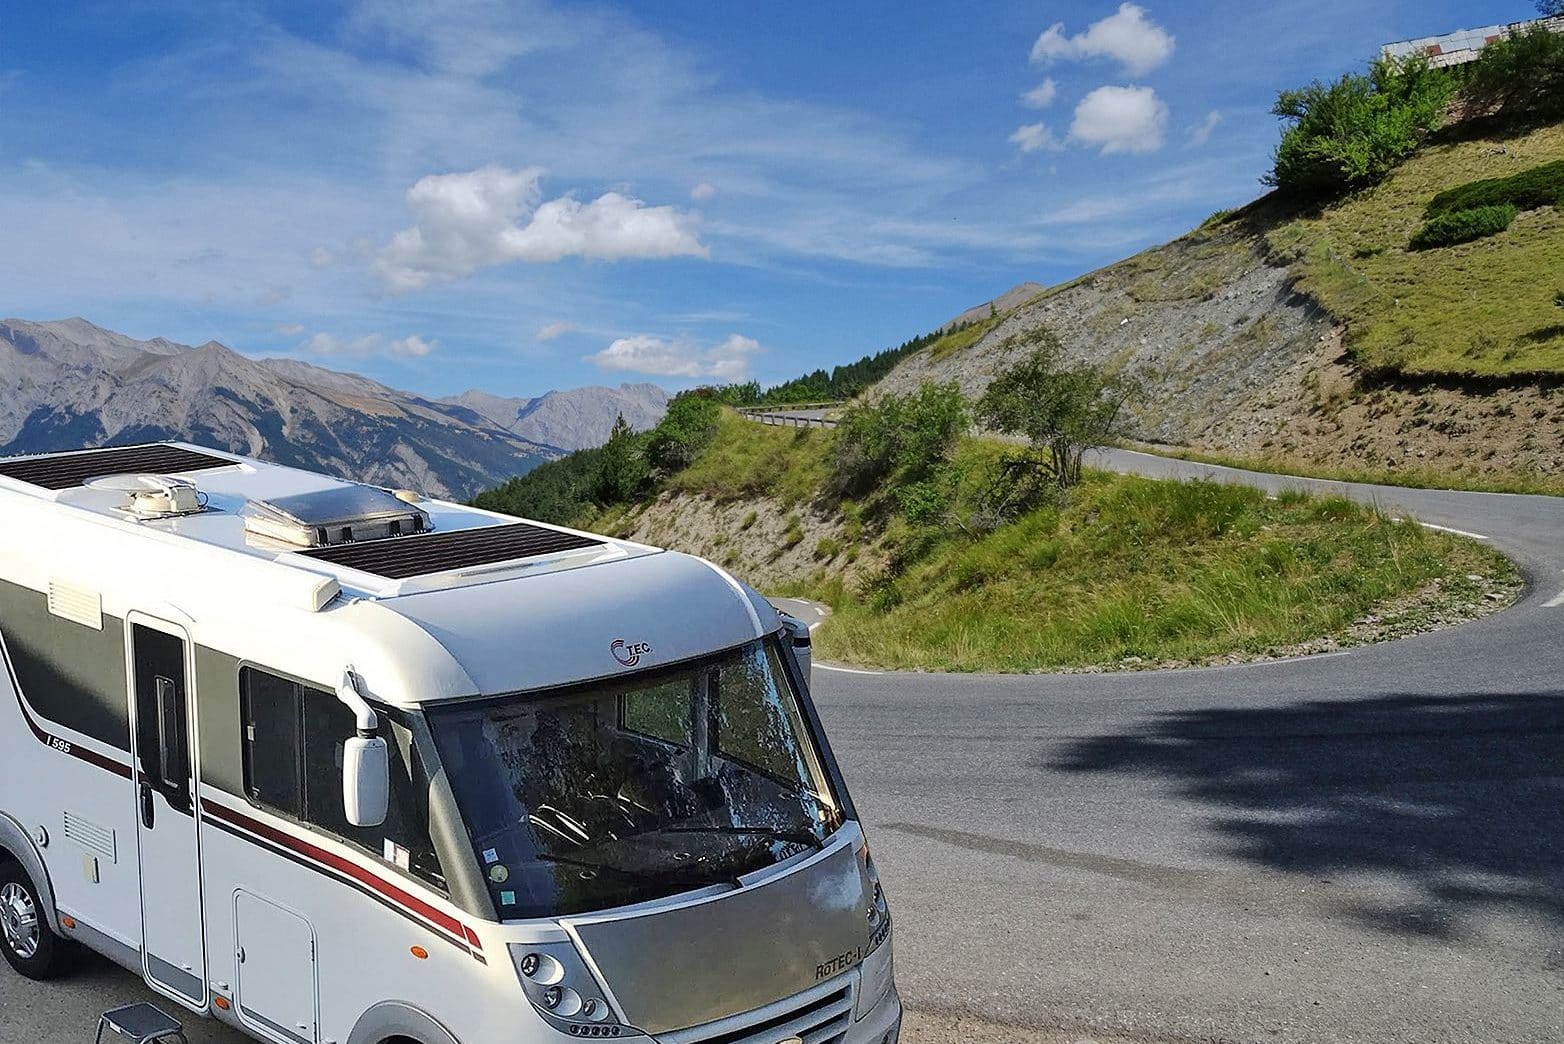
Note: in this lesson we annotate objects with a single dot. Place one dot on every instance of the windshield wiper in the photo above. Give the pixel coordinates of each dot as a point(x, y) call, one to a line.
point(661, 876)
point(802, 837)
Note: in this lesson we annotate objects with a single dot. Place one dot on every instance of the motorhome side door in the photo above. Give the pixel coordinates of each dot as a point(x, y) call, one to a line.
point(162, 726)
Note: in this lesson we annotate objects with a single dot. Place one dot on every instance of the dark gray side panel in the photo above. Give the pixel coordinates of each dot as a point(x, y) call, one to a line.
point(222, 749)
point(70, 674)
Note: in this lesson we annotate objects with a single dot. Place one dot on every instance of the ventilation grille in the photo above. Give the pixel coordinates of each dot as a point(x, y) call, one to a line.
point(76, 604)
point(89, 835)
point(66, 470)
point(815, 1018)
point(400, 557)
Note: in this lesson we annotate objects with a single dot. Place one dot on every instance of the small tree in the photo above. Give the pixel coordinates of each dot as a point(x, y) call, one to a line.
point(1521, 77)
point(1063, 409)
point(1550, 8)
point(1351, 133)
point(621, 467)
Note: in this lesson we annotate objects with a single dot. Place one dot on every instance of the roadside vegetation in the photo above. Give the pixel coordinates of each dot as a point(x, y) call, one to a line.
point(1428, 238)
point(1010, 556)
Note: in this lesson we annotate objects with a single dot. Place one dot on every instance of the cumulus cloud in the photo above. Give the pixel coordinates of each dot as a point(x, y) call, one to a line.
point(554, 331)
point(663, 357)
point(493, 216)
point(1035, 136)
point(1041, 96)
point(410, 347)
point(1120, 119)
point(291, 329)
point(1127, 36)
point(1201, 132)
point(702, 192)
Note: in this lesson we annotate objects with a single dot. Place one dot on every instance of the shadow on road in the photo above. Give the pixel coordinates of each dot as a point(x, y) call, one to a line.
point(1459, 800)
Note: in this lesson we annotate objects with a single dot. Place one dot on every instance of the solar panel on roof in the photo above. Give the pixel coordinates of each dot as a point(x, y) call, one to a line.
point(65, 470)
point(397, 558)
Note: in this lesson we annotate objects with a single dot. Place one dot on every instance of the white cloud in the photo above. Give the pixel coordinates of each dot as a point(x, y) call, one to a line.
point(322, 257)
point(410, 347)
point(1041, 96)
point(1127, 36)
point(1120, 119)
point(291, 329)
point(492, 216)
point(661, 357)
point(330, 344)
point(1201, 132)
point(554, 331)
point(702, 192)
point(1035, 136)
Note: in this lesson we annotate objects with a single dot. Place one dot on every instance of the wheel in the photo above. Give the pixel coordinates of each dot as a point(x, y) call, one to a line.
point(26, 940)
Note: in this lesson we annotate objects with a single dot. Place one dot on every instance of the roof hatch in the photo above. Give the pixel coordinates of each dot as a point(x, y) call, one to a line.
point(342, 514)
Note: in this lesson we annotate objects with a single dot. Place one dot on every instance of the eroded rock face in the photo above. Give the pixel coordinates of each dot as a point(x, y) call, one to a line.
point(70, 384)
point(1205, 321)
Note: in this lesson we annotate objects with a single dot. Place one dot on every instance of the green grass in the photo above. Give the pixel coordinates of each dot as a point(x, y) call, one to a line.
point(1413, 478)
point(965, 337)
point(1482, 309)
point(1133, 567)
point(746, 459)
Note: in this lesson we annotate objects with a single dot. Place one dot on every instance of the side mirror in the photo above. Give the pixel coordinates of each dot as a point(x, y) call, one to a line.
point(366, 780)
point(795, 636)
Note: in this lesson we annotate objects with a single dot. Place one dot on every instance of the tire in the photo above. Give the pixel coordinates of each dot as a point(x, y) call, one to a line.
point(27, 942)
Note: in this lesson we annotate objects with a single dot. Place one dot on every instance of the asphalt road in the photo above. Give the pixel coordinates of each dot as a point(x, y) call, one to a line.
point(1360, 847)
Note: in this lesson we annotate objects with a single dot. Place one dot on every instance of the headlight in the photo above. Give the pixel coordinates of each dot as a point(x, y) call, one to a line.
point(877, 970)
point(559, 986)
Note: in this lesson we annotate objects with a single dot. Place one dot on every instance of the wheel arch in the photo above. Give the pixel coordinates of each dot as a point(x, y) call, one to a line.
point(16, 844)
point(397, 1022)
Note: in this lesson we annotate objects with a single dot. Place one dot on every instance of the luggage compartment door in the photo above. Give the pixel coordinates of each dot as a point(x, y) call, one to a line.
point(173, 942)
point(276, 977)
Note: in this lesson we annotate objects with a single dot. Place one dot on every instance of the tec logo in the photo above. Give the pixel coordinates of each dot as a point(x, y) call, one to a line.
point(629, 653)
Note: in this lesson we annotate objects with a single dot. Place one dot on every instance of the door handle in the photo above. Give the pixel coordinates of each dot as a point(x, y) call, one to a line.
point(147, 807)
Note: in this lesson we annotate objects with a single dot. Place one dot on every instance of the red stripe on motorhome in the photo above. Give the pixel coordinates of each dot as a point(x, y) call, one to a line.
point(398, 897)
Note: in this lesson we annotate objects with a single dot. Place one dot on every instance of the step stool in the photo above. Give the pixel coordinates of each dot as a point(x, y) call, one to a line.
point(141, 1023)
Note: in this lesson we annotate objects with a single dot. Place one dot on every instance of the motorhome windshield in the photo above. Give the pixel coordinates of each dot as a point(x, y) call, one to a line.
point(618, 793)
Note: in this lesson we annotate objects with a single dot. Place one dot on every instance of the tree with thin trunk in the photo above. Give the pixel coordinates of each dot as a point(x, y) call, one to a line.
point(1062, 408)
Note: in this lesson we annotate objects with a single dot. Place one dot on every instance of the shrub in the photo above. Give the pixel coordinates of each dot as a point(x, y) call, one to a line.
point(1463, 226)
point(909, 435)
point(689, 425)
point(1521, 77)
point(1351, 133)
point(1063, 409)
point(1538, 187)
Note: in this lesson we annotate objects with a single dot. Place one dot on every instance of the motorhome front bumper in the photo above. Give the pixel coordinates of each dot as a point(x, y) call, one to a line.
point(822, 1015)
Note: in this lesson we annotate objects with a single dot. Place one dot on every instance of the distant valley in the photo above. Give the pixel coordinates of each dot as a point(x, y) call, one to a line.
point(70, 383)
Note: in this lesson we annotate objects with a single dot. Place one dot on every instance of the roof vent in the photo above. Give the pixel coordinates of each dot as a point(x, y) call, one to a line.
point(152, 496)
point(341, 514)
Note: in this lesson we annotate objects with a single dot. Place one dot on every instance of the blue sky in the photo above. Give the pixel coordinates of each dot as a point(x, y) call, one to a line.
point(518, 196)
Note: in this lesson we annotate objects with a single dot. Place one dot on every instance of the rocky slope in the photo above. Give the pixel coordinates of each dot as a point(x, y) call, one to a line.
point(580, 418)
point(69, 384)
point(1261, 335)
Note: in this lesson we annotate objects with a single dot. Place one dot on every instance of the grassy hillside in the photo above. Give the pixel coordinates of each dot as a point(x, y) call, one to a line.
point(1125, 571)
point(1481, 309)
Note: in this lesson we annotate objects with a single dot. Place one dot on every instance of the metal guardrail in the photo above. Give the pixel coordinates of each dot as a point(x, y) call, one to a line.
point(793, 415)
point(790, 420)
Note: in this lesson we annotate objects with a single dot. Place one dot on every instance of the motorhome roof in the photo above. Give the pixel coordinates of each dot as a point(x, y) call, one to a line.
point(464, 545)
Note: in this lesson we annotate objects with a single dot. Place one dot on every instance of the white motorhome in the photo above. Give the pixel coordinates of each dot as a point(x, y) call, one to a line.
point(339, 766)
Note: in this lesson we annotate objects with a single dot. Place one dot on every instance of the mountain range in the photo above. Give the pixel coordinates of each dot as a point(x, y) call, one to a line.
point(70, 383)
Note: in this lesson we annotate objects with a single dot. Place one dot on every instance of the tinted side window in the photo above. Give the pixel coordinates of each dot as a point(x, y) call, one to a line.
point(270, 716)
point(296, 757)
